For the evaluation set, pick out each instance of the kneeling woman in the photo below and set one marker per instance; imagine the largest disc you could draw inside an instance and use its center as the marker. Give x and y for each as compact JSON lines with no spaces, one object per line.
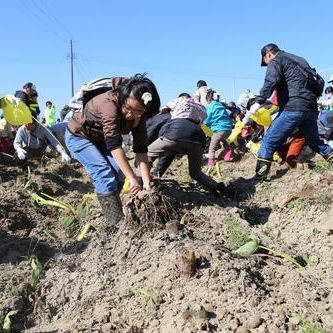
{"x":95,"y":137}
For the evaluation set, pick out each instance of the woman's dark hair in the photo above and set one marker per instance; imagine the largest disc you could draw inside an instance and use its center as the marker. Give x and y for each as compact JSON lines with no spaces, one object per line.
{"x":329,"y":90}
{"x":209,"y":95}
{"x":48,"y":103}
{"x":184,"y":94}
{"x":136,"y":86}
{"x":234,"y":113}
{"x":201,"y":83}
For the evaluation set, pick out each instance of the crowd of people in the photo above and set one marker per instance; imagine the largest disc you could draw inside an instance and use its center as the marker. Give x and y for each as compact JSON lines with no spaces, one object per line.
{"x":286,"y":122}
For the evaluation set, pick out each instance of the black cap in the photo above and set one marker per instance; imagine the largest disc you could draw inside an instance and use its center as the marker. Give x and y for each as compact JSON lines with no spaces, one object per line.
{"x":29,"y":85}
{"x":267,"y":48}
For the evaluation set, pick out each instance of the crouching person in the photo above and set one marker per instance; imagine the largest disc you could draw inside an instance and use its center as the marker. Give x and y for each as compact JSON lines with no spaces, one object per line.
{"x":184,"y":136}
{"x":95,"y":137}
{"x":33,"y":140}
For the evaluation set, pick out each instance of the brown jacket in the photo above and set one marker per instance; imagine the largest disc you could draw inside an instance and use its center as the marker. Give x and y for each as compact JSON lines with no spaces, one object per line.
{"x":103,"y":123}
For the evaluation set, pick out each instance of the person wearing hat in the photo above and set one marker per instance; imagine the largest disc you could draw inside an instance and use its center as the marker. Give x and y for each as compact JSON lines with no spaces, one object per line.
{"x":297,"y":103}
{"x":33,"y":103}
{"x":25,"y":94}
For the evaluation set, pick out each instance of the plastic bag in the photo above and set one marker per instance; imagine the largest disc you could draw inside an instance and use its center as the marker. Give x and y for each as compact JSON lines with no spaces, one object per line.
{"x":15,"y":111}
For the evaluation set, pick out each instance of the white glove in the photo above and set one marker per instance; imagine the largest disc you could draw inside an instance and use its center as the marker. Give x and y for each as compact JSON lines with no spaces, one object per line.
{"x":14,"y":100}
{"x":248,"y":145}
{"x":253,"y":109}
{"x":21,"y":153}
{"x":65,"y":158}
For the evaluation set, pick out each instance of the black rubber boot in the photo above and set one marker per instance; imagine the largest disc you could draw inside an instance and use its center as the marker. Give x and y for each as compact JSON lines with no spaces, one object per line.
{"x":112,"y":208}
{"x":329,"y":158}
{"x":218,"y":190}
{"x":262,"y":169}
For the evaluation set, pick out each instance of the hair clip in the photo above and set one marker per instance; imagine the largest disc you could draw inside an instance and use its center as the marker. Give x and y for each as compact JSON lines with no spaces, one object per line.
{"x":147,"y":97}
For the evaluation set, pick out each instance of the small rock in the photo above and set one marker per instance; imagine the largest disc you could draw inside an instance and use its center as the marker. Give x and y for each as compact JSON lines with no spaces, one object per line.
{"x":241,"y":329}
{"x":181,"y":296}
{"x":173,"y":227}
{"x":154,"y":323}
{"x":105,"y":328}
{"x":254,"y":322}
{"x":293,"y":322}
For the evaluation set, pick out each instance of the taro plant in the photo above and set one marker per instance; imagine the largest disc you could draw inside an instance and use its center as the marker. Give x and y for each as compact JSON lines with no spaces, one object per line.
{"x":72,"y":215}
{"x":37,"y":269}
{"x":6,"y":324}
{"x":239,"y":241}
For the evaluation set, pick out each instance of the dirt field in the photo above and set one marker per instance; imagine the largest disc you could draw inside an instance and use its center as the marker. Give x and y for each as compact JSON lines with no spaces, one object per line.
{"x":169,"y":268}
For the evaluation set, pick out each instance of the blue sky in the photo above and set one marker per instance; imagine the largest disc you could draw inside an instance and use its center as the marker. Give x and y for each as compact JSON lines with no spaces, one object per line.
{"x":175,"y":42}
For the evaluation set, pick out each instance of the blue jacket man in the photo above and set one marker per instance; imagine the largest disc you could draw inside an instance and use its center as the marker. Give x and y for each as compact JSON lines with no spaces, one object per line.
{"x":297,"y":102}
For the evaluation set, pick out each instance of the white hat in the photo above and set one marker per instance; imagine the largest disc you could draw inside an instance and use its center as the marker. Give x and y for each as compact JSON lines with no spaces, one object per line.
{"x":330,"y":79}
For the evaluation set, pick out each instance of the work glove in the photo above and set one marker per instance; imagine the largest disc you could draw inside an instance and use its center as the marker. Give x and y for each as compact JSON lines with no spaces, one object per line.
{"x":65,"y":158}
{"x":253,"y":109}
{"x":14,"y":100}
{"x":248,"y":145}
{"x":21,"y":153}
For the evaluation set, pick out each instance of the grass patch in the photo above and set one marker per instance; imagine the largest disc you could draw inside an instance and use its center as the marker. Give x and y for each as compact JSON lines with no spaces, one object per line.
{"x":241,"y":242}
{"x":322,"y":167}
{"x":307,"y":326}
{"x":237,"y":236}
{"x":297,"y":205}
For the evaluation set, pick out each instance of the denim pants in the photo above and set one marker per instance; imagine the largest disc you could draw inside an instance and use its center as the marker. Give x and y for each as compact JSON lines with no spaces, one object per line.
{"x":102,"y":168}
{"x":284,"y":125}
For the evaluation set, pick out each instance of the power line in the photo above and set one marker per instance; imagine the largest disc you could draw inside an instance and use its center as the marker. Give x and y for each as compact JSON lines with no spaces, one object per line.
{"x":170,"y":71}
{"x":87,"y":73}
{"x":82,"y":76}
{"x":48,"y":17}
{"x":54,"y":17}
{"x":42,"y":21}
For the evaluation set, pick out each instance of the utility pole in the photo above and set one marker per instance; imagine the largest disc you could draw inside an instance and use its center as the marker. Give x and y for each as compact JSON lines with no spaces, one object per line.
{"x":72,"y":64}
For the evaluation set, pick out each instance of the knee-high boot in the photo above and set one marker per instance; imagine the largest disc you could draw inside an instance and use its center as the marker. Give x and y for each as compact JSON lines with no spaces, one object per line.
{"x":112,"y":208}
{"x":262,"y":168}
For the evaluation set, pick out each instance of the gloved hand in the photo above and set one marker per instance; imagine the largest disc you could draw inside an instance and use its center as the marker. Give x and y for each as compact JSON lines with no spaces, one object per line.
{"x":65,"y":158}
{"x":253,"y":109}
{"x":13,"y":100}
{"x":248,"y":145}
{"x":21,"y":153}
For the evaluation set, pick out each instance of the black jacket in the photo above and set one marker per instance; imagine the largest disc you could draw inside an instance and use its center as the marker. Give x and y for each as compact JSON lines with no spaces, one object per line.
{"x":284,"y":74}
{"x":154,"y":124}
{"x":181,"y":129}
{"x":22,"y":96}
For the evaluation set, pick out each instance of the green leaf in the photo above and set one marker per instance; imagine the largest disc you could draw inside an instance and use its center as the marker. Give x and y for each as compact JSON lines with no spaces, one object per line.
{"x":67,"y":221}
{"x":6,"y":327}
{"x":249,"y":247}
{"x":37,"y":269}
{"x":82,"y":211}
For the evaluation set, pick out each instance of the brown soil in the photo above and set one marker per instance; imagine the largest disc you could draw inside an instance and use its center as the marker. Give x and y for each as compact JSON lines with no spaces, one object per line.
{"x":168,"y":268}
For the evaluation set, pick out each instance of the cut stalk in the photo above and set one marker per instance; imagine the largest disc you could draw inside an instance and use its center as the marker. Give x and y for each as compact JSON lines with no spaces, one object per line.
{"x":282,"y":255}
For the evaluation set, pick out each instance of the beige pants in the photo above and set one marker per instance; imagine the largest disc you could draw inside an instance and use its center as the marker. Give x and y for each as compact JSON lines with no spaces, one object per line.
{"x":194,"y":154}
{"x":215,"y":142}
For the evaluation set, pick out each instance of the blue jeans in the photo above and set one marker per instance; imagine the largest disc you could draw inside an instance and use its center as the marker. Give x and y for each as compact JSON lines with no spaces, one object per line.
{"x":283,"y":126}
{"x":102,"y":168}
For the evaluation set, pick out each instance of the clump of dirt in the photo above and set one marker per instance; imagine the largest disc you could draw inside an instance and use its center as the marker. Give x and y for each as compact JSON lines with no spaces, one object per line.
{"x":168,"y":267}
